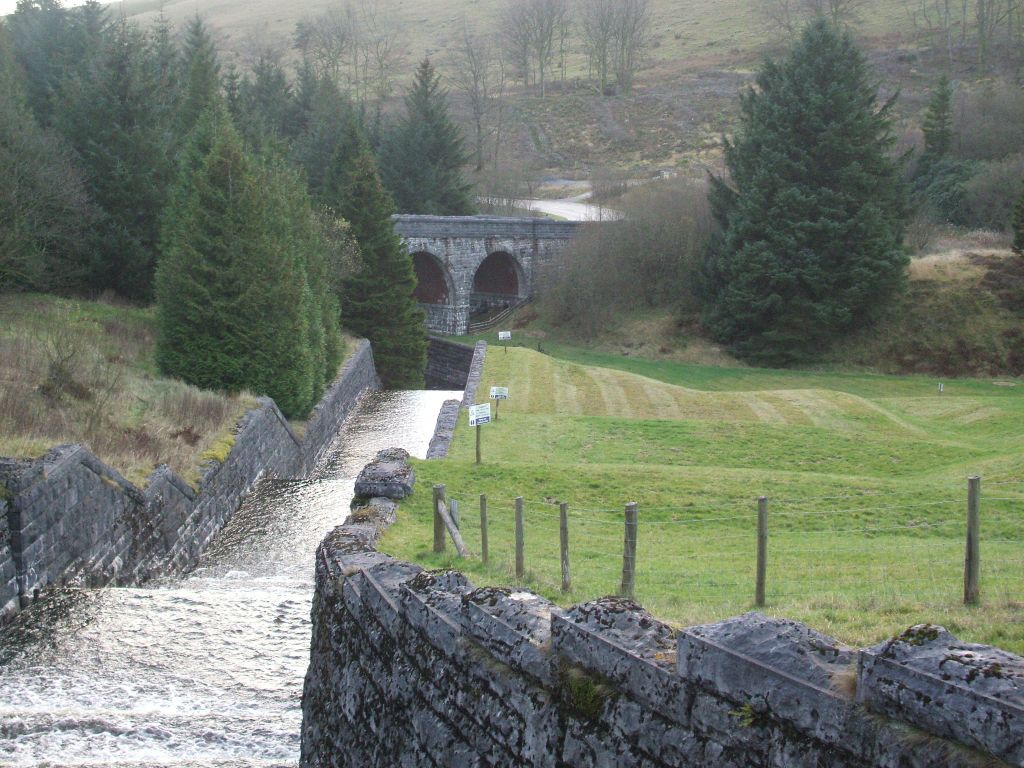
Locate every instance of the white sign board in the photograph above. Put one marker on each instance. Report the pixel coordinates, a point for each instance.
(504, 335)
(479, 414)
(499, 393)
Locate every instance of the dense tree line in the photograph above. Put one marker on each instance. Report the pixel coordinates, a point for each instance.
(248, 205)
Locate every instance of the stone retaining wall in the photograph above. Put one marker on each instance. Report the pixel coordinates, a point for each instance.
(448, 364)
(69, 517)
(9, 602)
(415, 668)
(470, 367)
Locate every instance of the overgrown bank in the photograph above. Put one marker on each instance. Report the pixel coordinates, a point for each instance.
(85, 372)
(80, 371)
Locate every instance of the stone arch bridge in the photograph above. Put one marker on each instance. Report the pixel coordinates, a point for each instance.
(473, 265)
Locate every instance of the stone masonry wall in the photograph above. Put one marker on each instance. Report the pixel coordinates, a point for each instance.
(68, 517)
(470, 369)
(8, 572)
(415, 668)
(447, 364)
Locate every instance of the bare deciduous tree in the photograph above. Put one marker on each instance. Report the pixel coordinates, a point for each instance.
(534, 30)
(633, 36)
(615, 35)
(357, 44)
(478, 73)
(788, 16)
(598, 23)
(988, 25)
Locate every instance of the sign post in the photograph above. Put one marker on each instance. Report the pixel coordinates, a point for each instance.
(478, 416)
(505, 336)
(497, 395)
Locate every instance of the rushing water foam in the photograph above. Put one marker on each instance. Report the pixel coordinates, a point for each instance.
(205, 669)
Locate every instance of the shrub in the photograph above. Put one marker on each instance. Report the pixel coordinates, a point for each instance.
(990, 195)
(990, 123)
(656, 248)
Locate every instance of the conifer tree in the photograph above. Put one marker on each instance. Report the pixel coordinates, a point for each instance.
(328, 148)
(938, 124)
(1018, 226)
(814, 217)
(200, 78)
(422, 156)
(236, 308)
(44, 209)
(378, 297)
(112, 116)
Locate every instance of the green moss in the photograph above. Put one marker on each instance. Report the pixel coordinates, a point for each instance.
(220, 450)
(584, 693)
(745, 715)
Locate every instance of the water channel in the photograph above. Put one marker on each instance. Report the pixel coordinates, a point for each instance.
(205, 669)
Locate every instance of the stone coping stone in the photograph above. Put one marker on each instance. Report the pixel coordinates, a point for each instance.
(513, 625)
(388, 475)
(447, 419)
(778, 667)
(964, 691)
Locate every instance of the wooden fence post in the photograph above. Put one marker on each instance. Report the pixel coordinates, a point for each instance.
(563, 533)
(628, 586)
(520, 564)
(453, 510)
(762, 549)
(483, 528)
(438, 521)
(972, 557)
(477, 443)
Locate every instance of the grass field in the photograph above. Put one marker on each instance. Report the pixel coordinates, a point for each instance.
(866, 477)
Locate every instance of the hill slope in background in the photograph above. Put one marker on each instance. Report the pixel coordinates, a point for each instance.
(701, 53)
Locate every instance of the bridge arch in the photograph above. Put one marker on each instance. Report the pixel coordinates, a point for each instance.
(433, 282)
(436, 293)
(498, 282)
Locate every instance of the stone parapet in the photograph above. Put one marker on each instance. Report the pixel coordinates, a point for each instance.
(421, 668)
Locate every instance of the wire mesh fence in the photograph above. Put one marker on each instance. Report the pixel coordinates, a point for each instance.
(847, 547)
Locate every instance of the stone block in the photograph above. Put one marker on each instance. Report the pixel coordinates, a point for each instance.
(513, 625)
(778, 668)
(388, 475)
(621, 642)
(968, 692)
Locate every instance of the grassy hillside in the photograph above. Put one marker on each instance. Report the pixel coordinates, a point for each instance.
(84, 372)
(866, 476)
(701, 53)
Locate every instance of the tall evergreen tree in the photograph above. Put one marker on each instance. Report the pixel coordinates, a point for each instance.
(111, 114)
(329, 146)
(378, 298)
(814, 219)
(41, 34)
(938, 123)
(236, 307)
(44, 209)
(422, 156)
(1018, 226)
(200, 77)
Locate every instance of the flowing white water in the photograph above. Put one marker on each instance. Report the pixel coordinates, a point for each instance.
(205, 669)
